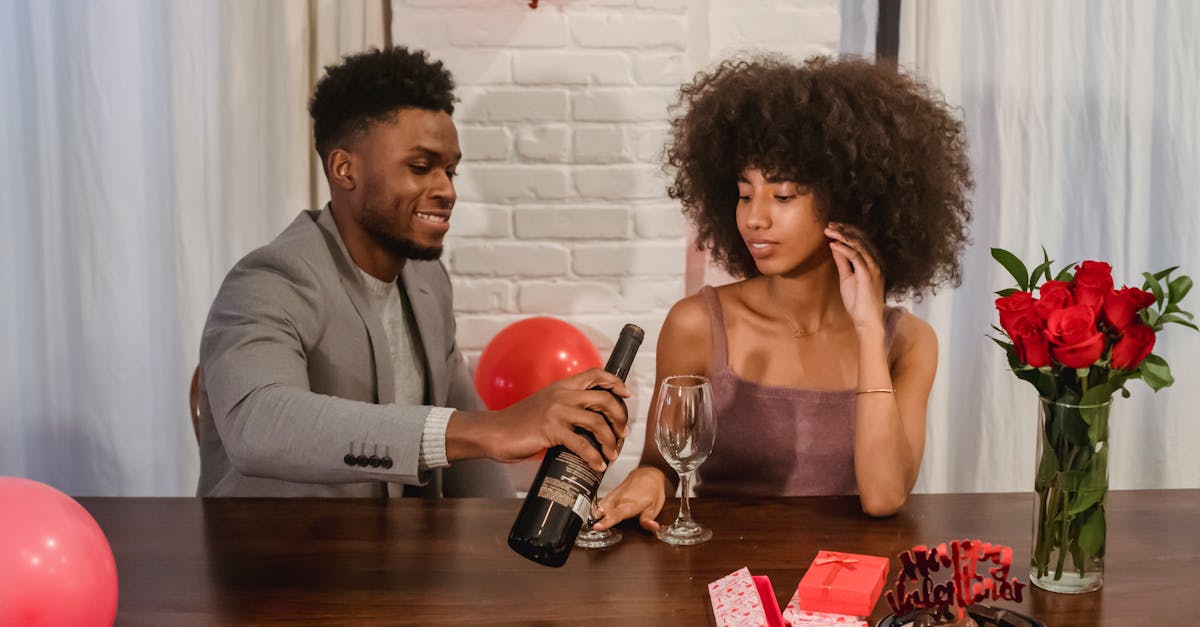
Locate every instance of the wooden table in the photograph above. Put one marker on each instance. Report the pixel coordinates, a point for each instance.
(225, 561)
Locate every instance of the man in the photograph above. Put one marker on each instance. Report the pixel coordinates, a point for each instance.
(328, 364)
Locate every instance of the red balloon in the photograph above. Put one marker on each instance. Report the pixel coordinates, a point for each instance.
(528, 355)
(56, 567)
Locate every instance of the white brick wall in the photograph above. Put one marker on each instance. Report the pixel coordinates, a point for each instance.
(593, 222)
(797, 28)
(544, 143)
(562, 116)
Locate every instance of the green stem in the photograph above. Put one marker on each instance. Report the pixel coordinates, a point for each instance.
(1038, 550)
(1064, 542)
(1062, 514)
(1047, 526)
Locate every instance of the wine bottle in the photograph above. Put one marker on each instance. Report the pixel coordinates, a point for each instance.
(560, 497)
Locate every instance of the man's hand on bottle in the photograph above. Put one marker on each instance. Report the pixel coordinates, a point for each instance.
(544, 419)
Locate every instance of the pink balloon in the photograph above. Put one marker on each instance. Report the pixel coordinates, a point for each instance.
(56, 567)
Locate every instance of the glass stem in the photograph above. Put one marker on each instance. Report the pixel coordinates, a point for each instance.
(685, 510)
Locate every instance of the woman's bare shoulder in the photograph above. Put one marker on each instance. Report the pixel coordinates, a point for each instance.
(913, 336)
(688, 318)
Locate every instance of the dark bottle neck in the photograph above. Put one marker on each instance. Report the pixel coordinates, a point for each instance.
(621, 358)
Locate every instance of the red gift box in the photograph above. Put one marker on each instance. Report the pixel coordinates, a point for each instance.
(842, 583)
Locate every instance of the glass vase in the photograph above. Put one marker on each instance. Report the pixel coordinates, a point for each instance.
(1071, 486)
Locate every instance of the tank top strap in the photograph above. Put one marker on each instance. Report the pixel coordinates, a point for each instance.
(716, 321)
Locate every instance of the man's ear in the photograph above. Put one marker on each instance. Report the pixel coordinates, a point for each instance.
(342, 170)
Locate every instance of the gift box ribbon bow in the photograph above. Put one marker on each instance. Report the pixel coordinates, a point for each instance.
(837, 561)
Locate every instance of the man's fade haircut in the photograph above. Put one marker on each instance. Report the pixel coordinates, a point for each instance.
(368, 87)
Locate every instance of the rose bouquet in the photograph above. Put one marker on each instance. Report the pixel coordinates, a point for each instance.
(1078, 341)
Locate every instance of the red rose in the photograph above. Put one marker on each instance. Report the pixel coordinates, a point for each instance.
(1093, 281)
(1012, 307)
(1133, 346)
(1053, 295)
(1121, 306)
(1071, 325)
(1029, 339)
(1075, 340)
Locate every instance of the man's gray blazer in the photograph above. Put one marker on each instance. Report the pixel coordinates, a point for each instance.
(296, 373)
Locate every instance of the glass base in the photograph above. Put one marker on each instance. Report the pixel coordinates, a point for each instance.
(1069, 583)
(592, 539)
(684, 534)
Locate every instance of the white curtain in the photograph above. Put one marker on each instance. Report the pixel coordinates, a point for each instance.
(1083, 128)
(860, 22)
(144, 147)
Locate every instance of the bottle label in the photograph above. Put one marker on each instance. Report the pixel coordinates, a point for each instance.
(583, 507)
(570, 482)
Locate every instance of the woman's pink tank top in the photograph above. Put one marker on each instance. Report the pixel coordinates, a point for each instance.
(777, 441)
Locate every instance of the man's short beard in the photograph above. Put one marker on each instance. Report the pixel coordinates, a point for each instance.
(375, 223)
(405, 248)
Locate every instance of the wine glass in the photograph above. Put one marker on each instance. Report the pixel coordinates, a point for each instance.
(685, 434)
(590, 538)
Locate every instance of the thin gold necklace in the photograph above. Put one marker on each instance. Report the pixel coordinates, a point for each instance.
(798, 333)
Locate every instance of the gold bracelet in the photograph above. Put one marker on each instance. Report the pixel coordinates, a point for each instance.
(873, 390)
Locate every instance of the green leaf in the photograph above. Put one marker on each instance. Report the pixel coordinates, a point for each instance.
(1083, 500)
(1177, 320)
(1174, 308)
(1152, 285)
(1009, 291)
(1042, 382)
(1065, 273)
(1046, 467)
(1156, 373)
(1098, 427)
(1077, 555)
(1042, 269)
(1101, 392)
(1005, 345)
(1096, 478)
(1162, 273)
(1179, 287)
(1094, 413)
(1075, 429)
(1013, 265)
(1091, 535)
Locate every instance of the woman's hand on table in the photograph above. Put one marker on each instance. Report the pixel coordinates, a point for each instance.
(641, 494)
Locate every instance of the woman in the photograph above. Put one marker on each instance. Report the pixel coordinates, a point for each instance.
(827, 187)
